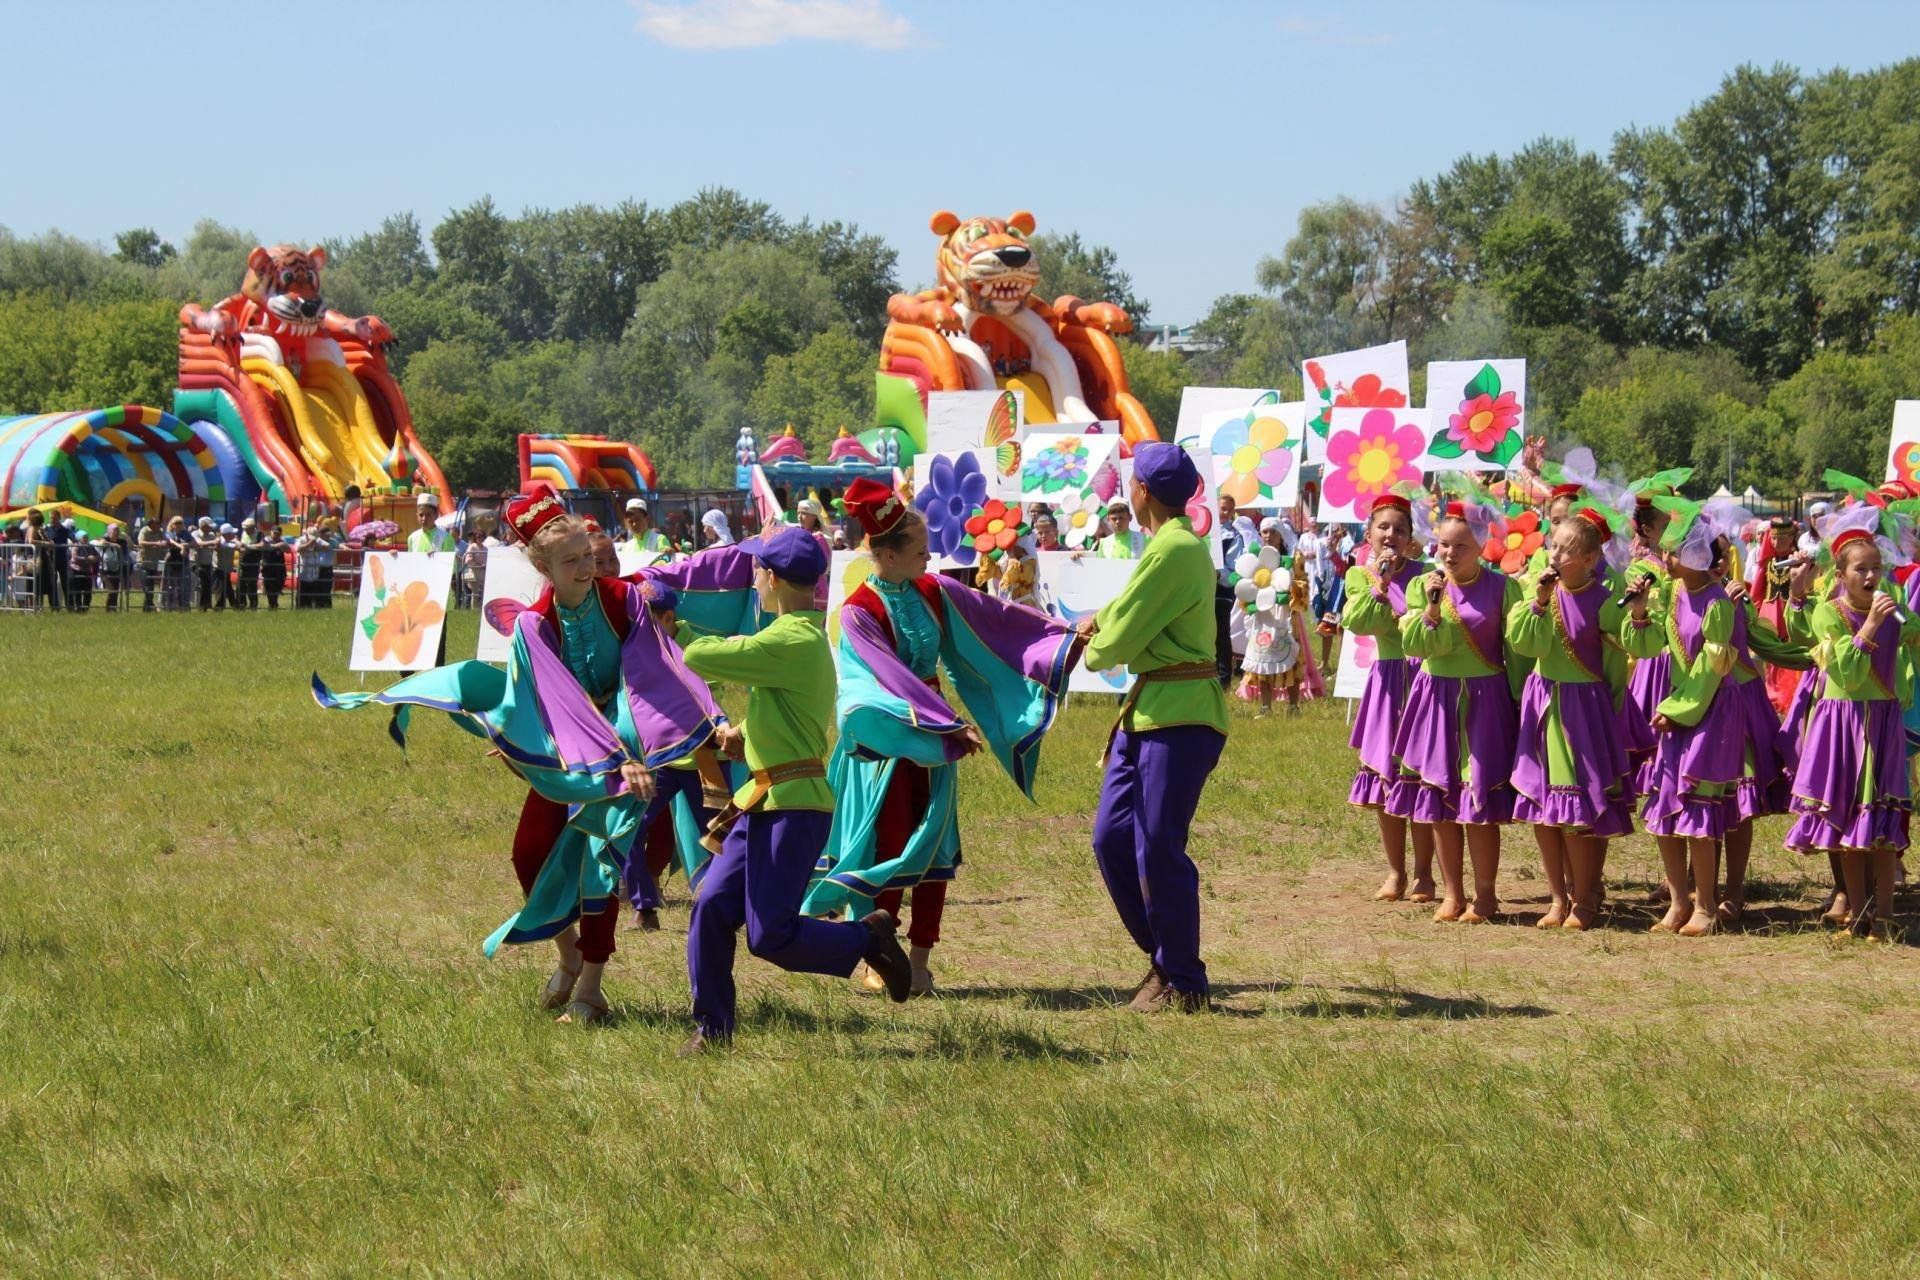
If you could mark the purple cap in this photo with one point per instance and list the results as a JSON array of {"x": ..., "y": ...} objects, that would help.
[
  {"x": 1168, "y": 473},
  {"x": 791, "y": 553}
]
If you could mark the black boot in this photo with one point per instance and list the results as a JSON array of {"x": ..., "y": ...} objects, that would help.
[{"x": 884, "y": 956}]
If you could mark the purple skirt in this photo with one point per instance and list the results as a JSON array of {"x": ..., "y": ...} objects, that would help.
[
  {"x": 1374, "y": 725},
  {"x": 1647, "y": 688},
  {"x": 1694, "y": 770},
  {"x": 1766, "y": 786},
  {"x": 1596, "y": 798},
  {"x": 1850, "y": 790},
  {"x": 1455, "y": 750}
]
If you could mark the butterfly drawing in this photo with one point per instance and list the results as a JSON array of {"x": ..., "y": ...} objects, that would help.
[
  {"x": 501, "y": 613},
  {"x": 998, "y": 435}
]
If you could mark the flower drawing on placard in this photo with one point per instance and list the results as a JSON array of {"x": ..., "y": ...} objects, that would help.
[
  {"x": 400, "y": 623},
  {"x": 1258, "y": 453},
  {"x": 954, "y": 488},
  {"x": 1511, "y": 542},
  {"x": 1365, "y": 463},
  {"x": 1368, "y": 391},
  {"x": 1078, "y": 518},
  {"x": 1906, "y": 461},
  {"x": 1486, "y": 424},
  {"x": 994, "y": 527},
  {"x": 1062, "y": 465}
]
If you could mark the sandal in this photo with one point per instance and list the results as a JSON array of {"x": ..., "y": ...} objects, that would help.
[
  {"x": 583, "y": 1013},
  {"x": 559, "y": 989}
]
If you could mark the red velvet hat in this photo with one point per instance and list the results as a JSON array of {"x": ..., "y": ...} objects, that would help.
[
  {"x": 1564, "y": 491},
  {"x": 1393, "y": 500},
  {"x": 876, "y": 506},
  {"x": 1597, "y": 520},
  {"x": 1843, "y": 538},
  {"x": 529, "y": 513},
  {"x": 1456, "y": 511}
]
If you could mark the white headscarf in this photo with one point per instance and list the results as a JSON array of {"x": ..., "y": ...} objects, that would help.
[{"x": 716, "y": 520}]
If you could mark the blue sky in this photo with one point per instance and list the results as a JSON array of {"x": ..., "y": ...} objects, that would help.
[{"x": 1185, "y": 135}]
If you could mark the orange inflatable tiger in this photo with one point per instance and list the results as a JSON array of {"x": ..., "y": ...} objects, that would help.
[
  {"x": 981, "y": 328},
  {"x": 281, "y": 296}
]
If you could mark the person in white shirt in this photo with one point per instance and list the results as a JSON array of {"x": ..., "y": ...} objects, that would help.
[{"x": 1809, "y": 543}]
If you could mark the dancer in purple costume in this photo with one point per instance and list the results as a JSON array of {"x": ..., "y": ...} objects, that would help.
[
  {"x": 1454, "y": 747},
  {"x": 1376, "y": 598}
]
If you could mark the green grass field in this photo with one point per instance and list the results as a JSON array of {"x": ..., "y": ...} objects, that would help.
[{"x": 248, "y": 1032}]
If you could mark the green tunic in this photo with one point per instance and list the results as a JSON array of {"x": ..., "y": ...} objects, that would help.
[
  {"x": 1164, "y": 617},
  {"x": 787, "y": 668}
]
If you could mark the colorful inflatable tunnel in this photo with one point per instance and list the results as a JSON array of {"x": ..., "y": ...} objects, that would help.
[
  {"x": 585, "y": 462},
  {"x": 102, "y": 457}
]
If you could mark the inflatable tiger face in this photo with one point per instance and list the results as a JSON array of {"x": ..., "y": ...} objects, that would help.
[
  {"x": 285, "y": 282},
  {"x": 986, "y": 262}
]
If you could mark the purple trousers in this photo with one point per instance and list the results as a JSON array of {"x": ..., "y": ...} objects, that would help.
[
  {"x": 642, "y": 888},
  {"x": 1147, "y": 802},
  {"x": 758, "y": 879}
]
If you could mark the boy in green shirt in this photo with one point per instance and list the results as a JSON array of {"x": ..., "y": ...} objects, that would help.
[
  {"x": 1172, "y": 727},
  {"x": 780, "y": 817}
]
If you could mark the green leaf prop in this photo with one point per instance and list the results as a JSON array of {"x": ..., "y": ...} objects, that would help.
[
  {"x": 1444, "y": 446},
  {"x": 1485, "y": 383}
]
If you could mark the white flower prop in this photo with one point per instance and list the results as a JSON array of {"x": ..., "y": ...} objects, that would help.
[
  {"x": 1078, "y": 518},
  {"x": 1261, "y": 579}
]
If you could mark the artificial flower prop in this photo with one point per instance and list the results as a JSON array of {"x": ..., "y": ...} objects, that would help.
[
  {"x": 1511, "y": 542},
  {"x": 993, "y": 528},
  {"x": 373, "y": 531},
  {"x": 1078, "y": 518},
  {"x": 1660, "y": 483},
  {"x": 1259, "y": 581}
]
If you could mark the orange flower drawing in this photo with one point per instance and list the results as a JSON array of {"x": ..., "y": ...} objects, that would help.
[{"x": 402, "y": 623}]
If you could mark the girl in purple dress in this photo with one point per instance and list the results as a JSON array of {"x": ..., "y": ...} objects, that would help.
[
  {"x": 1454, "y": 747},
  {"x": 1376, "y": 598},
  {"x": 1571, "y": 776},
  {"x": 1850, "y": 792}
]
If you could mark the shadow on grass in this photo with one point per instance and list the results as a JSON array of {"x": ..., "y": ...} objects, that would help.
[
  {"x": 1399, "y": 1002},
  {"x": 970, "y": 1038}
]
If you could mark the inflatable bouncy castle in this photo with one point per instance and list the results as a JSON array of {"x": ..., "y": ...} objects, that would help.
[
  {"x": 303, "y": 393},
  {"x": 100, "y": 458},
  {"x": 585, "y": 462},
  {"x": 981, "y": 328}
]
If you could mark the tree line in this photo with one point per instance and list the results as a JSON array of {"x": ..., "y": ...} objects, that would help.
[{"x": 1736, "y": 291}]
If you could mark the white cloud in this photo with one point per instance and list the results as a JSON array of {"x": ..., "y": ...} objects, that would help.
[
  {"x": 1333, "y": 31},
  {"x": 745, "y": 24}
]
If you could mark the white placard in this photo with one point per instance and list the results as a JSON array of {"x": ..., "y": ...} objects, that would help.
[
  {"x": 1372, "y": 377},
  {"x": 1369, "y": 452},
  {"x": 958, "y": 421},
  {"x": 1476, "y": 414},
  {"x": 512, "y": 580},
  {"x": 1072, "y": 589},
  {"x": 402, "y": 610},
  {"x": 1903, "y": 446},
  {"x": 1256, "y": 453},
  {"x": 1197, "y": 402},
  {"x": 847, "y": 570},
  {"x": 1356, "y": 661}
]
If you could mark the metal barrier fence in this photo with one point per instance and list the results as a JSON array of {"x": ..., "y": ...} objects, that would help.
[{"x": 40, "y": 579}]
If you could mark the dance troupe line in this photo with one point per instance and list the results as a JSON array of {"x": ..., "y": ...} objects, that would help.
[
  {"x": 605, "y": 711},
  {"x": 1507, "y": 699},
  {"x": 1494, "y": 700}
]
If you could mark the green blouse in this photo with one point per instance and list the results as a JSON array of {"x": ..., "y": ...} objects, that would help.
[{"x": 1535, "y": 632}]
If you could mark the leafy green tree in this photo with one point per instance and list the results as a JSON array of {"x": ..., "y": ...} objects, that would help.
[
  {"x": 1156, "y": 379},
  {"x": 142, "y": 247},
  {"x": 820, "y": 388}
]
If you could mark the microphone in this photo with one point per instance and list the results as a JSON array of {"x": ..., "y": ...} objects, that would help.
[{"x": 1642, "y": 582}]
